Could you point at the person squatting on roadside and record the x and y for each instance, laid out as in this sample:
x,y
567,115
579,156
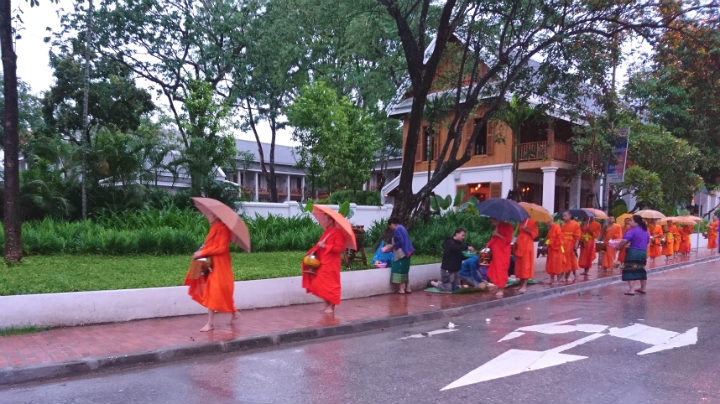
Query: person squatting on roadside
x,y
452,259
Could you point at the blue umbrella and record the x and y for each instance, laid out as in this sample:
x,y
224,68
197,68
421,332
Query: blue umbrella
x,y
502,209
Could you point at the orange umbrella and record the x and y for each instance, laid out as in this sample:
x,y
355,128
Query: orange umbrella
x,y
599,214
649,214
536,212
326,216
621,219
214,209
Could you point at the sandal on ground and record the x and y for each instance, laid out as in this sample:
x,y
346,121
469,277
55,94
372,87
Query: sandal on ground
x,y
630,293
642,292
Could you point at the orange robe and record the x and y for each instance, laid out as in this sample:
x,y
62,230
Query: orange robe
x,y
525,249
685,246
656,233
555,257
712,233
590,232
669,248
571,235
500,249
676,235
613,232
325,284
621,253
215,293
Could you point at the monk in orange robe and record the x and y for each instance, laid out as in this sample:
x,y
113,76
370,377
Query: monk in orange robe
x,y
621,253
712,233
675,230
613,232
499,245
325,281
555,263
668,249
525,252
656,233
571,238
685,246
215,293
589,231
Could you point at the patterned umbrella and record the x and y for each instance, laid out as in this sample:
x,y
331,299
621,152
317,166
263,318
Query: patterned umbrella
x,y
649,214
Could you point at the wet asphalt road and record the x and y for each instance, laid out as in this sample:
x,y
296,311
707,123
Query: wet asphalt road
x,y
381,367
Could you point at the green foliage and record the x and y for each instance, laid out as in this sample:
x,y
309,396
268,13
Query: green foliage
x,y
337,139
618,208
645,186
344,209
371,198
676,163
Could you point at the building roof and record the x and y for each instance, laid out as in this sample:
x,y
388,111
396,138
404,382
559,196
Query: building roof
x,y
284,155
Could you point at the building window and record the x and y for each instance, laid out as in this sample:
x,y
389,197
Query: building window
x,y
480,146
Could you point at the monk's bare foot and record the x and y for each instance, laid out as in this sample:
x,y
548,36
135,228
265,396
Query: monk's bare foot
x,y
522,290
499,294
234,316
208,327
329,309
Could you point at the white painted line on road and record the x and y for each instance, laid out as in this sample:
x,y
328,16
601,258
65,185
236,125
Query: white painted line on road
x,y
511,335
430,333
643,333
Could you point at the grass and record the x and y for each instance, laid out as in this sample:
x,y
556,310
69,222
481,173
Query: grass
x,y
74,273
19,331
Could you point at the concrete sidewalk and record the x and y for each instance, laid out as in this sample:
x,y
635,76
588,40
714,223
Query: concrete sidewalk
x,y
77,350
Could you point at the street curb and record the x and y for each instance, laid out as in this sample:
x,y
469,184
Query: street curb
x,y
16,375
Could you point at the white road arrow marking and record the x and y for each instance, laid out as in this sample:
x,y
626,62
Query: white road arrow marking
x,y
643,333
689,337
511,335
430,333
516,361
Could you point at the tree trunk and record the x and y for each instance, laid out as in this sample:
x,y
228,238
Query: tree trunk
x,y
516,194
85,119
11,207
272,179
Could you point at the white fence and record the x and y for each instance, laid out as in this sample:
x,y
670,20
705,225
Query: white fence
x,y
362,215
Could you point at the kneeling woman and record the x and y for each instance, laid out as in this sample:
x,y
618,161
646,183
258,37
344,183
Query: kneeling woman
x,y
636,239
324,282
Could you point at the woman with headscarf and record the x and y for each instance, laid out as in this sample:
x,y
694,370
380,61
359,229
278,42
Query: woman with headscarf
x,y
636,241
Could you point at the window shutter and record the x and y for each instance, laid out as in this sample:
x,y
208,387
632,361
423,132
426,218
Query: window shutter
x,y
496,189
490,133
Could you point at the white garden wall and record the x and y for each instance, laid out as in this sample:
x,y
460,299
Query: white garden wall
x,y
362,215
77,308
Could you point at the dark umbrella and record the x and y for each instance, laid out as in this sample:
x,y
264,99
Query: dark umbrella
x,y
502,209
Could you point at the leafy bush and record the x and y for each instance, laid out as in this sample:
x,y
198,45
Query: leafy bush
x,y
357,197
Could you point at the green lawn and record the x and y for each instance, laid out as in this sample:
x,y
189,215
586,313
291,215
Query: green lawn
x,y
72,273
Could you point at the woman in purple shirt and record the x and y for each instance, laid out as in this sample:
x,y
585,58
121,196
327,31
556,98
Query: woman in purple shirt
x,y
636,239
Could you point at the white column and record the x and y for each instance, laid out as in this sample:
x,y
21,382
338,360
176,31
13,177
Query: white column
x,y
302,188
548,199
507,182
575,189
288,188
257,187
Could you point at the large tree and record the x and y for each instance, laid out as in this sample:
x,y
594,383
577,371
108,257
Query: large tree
x,y
497,41
335,136
173,46
680,88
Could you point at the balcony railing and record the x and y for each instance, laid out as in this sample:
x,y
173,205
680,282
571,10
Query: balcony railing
x,y
534,151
